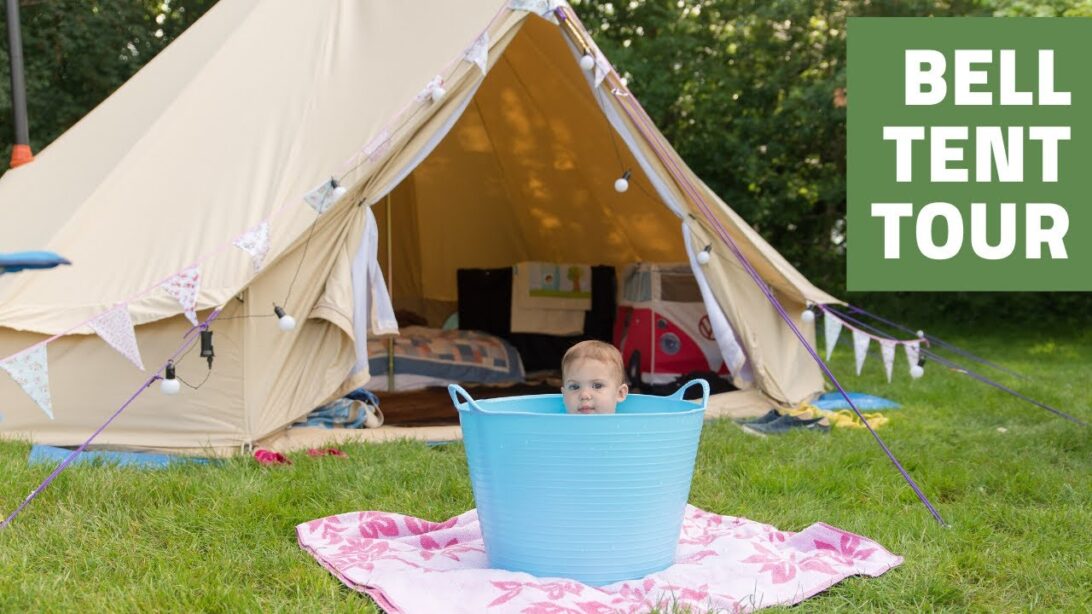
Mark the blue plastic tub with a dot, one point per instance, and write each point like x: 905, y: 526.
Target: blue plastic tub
x: 595, y: 498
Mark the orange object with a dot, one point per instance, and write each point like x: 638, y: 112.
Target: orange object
x: 20, y: 155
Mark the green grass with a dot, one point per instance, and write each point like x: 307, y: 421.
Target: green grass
x: 221, y: 538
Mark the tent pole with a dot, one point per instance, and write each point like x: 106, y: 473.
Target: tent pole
x: 20, y: 149
x: 390, y: 292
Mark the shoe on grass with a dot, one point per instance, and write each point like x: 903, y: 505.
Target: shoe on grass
x: 769, y: 416
x: 784, y: 424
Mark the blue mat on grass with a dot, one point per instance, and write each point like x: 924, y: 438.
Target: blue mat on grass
x: 40, y: 454
x: 835, y: 400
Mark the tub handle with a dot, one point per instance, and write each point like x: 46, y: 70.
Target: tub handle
x: 456, y: 391
x: 704, y: 391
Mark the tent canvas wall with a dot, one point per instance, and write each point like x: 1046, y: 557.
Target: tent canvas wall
x: 261, y: 100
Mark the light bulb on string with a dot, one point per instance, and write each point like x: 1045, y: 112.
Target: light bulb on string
x: 437, y: 94
x: 337, y: 190
x: 808, y: 315
x: 284, y: 321
x: 622, y: 183
x: 587, y: 62
x: 169, y: 384
x: 918, y: 370
x: 704, y: 255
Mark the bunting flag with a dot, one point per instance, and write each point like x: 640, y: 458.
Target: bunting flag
x: 324, y: 196
x: 378, y: 145
x: 602, y: 68
x: 542, y: 8
x: 887, y: 350
x: 256, y: 243
x: 913, y: 351
x: 30, y: 370
x: 832, y: 326
x: 433, y: 90
x: 184, y: 287
x: 479, y: 52
x: 115, y: 327
x: 860, y: 347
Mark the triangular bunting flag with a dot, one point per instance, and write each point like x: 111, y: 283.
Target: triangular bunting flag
x: 860, y: 347
x: 378, y: 145
x: 31, y: 371
x: 602, y: 68
x: 479, y: 52
x: 184, y: 287
x: 832, y: 326
x: 913, y: 351
x: 542, y: 8
x: 256, y: 243
x: 887, y: 351
x: 116, y: 328
x: 325, y: 195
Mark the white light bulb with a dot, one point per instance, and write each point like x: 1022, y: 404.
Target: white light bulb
x: 916, y: 371
x: 169, y: 386
x: 621, y: 184
x: 808, y: 315
x: 587, y: 62
x: 338, y: 192
x: 703, y: 257
x: 438, y: 93
x: 286, y: 323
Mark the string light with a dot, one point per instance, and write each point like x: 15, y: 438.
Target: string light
x: 286, y: 322
x: 704, y: 254
x: 338, y: 190
x: 918, y: 370
x: 622, y: 183
x: 587, y: 62
x: 808, y: 315
x: 169, y: 384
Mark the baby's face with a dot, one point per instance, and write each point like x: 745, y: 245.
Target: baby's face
x: 590, y: 387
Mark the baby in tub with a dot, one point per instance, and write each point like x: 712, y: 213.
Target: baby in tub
x: 593, y: 380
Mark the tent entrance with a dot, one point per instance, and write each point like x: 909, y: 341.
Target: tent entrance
x: 526, y: 173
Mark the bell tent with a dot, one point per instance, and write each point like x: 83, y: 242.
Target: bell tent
x: 473, y: 132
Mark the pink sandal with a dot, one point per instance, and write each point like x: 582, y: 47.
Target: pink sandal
x: 269, y: 457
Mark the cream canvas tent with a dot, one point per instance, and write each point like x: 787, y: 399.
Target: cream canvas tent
x: 262, y: 100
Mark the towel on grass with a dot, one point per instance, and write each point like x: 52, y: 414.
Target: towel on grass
x: 723, y: 563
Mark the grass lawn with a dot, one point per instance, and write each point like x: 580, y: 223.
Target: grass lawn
x: 221, y: 538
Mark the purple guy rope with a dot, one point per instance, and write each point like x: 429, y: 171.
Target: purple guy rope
x: 940, y: 342
x: 989, y: 382
x: 642, y: 123
x: 190, y: 338
x: 957, y: 367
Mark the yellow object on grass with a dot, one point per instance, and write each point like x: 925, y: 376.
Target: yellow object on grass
x: 843, y: 418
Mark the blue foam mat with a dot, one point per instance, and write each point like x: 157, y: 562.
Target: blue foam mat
x: 40, y: 454
x: 835, y: 400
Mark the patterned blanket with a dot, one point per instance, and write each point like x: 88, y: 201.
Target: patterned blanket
x: 455, y: 355
x: 723, y: 563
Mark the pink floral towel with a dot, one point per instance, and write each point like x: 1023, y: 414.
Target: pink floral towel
x: 724, y: 564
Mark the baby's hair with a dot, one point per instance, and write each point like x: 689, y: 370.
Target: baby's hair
x: 595, y: 350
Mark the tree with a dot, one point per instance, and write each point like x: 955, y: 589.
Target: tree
x: 752, y: 95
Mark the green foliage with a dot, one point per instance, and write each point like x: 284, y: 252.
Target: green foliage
x: 1014, y: 481
x: 751, y: 94
x: 77, y: 52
